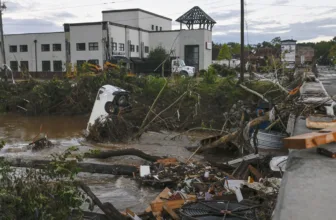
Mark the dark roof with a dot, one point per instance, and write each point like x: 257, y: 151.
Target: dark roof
x: 56, y: 32
x: 195, y: 16
x: 137, y: 9
x: 288, y: 40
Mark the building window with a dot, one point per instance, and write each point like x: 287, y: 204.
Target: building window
x: 93, y: 46
x: 12, y: 48
x: 132, y: 48
x: 45, y: 47
x: 58, y: 66
x: 157, y: 28
x: 14, y: 65
x: 24, y: 66
x: 152, y: 27
x: 146, y: 49
x: 137, y: 48
x: 80, y: 63
x: 57, y: 47
x: 114, y: 46
x: 80, y: 46
x: 160, y: 28
x: 122, y: 47
x: 46, y: 66
x: 23, y: 48
x: 95, y: 62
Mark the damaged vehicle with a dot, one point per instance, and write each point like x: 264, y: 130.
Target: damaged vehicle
x: 110, y: 100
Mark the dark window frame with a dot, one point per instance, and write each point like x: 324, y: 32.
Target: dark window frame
x: 24, y: 48
x: 24, y: 63
x: 14, y: 68
x: 93, y: 46
x: 11, y: 48
x: 137, y: 48
x: 132, y: 48
x: 55, y: 47
x: 43, y: 63
x: 160, y: 28
x: 114, y: 46
x: 121, y: 47
x: 156, y: 28
x: 146, y: 49
x: 45, y: 47
x: 93, y: 61
x: 57, y: 62
x: 78, y: 46
x: 80, y: 63
x: 152, y: 27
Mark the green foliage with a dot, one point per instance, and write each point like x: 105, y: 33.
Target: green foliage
x: 223, y: 70
x: 224, y: 53
x: 332, y: 53
x: 159, y: 54
x: 49, y: 193
x: 2, y: 144
x: 210, y: 76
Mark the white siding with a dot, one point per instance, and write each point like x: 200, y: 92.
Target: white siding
x: 134, y: 38
x: 86, y: 34
x: 130, y: 18
x: 28, y: 39
x: 183, y: 38
x: 118, y: 35
x: 147, y: 20
x: 145, y: 40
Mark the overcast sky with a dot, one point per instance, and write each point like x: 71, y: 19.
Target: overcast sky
x: 303, y: 20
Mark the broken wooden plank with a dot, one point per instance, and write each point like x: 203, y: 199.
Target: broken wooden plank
x: 320, y: 122
x: 246, y: 158
x: 311, y: 140
x: 171, y: 212
x: 167, y: 161
x: 255, y: 172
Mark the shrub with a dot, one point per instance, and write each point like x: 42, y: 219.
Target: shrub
x: 210, y: 76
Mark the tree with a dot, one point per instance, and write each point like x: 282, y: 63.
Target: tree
x: 332, y: 54
x: 276, y: 42
x: 224, y: 53
x: 159, y: 54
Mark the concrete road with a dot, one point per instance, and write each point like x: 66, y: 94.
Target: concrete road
x: 328, y: 77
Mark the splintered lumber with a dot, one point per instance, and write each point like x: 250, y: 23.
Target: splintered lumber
x: 110, y: 211
x: 123, y: 152
x: 316, y: 122
x: 311, y: 140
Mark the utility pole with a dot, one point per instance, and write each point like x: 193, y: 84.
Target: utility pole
x: 2, y: 7
x: 242, y: 63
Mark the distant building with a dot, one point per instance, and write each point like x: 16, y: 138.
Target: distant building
x: 304, y: 55
x: 130, y: 33
x: 288, y: 53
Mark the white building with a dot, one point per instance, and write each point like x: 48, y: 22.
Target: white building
x: 130, y: 33
x: 288, y: 52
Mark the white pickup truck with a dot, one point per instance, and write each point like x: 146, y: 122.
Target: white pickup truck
x: 179, y: 67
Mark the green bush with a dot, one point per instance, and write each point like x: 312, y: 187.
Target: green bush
x: 210, y: 76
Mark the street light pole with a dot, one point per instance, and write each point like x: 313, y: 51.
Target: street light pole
x: 242, y: 63
x: 2, y: 7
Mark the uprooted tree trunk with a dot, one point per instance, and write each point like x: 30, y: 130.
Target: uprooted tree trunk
x: 123, y: 152
x: 84, y: 167
x: 221, y: 140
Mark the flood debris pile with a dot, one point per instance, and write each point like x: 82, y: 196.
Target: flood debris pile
x: 111, y: 129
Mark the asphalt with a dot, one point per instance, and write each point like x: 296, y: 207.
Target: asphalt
x: 328, y: 77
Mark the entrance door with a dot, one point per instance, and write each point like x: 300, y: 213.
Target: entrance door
x: 191, y: 53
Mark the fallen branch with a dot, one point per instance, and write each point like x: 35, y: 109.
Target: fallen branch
x: 141, y: 131
x: 153, y: 105
x: 110, y: 211
x: 254, y: 92
x: 84, y: 167
x: 123, y: 152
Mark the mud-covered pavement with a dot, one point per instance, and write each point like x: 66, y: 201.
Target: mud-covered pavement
x: 18, y: 131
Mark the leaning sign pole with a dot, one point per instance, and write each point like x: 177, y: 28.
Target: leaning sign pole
x: 242, y: 63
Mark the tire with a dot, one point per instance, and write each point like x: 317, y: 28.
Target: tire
x: 184, y: 74
x: 110, y: 108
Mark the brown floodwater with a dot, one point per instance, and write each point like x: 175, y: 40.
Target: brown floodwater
x: 66, y: 131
